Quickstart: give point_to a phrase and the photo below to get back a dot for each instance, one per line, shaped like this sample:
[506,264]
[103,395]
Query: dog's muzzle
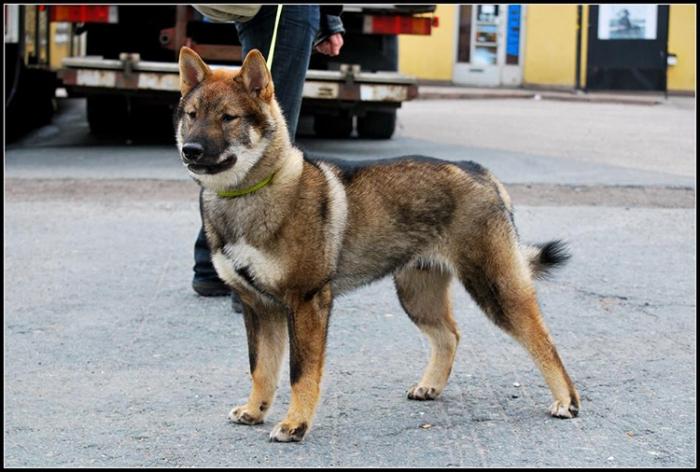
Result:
[194,158]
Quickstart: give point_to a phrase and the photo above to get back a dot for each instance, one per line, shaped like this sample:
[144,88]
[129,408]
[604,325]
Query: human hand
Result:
[331,45]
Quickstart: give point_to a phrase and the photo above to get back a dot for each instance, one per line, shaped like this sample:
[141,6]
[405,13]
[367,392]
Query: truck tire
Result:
[376,124]
[29,95]
[333,126]
[153,121]
[114,116]
[107,115]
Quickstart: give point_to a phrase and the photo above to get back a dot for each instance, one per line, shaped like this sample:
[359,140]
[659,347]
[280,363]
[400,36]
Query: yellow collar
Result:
[245,191]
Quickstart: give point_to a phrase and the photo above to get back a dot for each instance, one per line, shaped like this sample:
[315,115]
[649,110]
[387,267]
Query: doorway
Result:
[489,45]
[627,47]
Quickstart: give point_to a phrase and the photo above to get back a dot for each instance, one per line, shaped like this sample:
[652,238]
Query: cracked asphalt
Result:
[110,359]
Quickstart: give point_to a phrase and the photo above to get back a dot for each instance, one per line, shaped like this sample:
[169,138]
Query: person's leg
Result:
[297,29]
[205,281]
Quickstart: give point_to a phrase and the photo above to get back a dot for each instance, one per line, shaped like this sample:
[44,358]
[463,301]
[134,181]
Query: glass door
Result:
[488,40]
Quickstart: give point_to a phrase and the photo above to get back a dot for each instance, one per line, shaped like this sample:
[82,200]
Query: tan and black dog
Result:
[289,234]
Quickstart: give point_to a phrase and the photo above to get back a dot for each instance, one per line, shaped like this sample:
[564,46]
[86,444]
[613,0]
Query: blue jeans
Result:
[297,29]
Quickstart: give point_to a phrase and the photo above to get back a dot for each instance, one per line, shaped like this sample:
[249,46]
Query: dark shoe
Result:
[213,287]
[205,281]
[236,303]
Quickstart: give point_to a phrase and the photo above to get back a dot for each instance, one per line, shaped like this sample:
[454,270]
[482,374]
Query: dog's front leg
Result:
[308,326]
[266,330]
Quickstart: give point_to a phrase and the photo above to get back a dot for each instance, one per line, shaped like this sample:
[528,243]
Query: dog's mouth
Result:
[213,168]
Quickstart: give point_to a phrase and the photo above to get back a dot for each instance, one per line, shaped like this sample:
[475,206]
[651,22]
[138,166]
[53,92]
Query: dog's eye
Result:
[192,114]
[228,118]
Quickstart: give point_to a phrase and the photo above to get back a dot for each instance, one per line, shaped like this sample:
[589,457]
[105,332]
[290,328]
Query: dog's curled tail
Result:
[545,257]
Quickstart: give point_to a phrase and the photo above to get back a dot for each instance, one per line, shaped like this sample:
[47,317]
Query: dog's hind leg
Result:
[424,295]
[267,337]
[498,279]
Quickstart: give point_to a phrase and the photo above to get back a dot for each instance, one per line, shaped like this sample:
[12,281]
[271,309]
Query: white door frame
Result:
[466,73]
[512,75]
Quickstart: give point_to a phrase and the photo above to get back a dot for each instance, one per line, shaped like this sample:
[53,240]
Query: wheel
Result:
[333,127]
[108,115]
[152,121]
[114,116]
[376,124]
[29,95]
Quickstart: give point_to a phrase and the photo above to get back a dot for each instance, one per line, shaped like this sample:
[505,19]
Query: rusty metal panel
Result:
[216,52]
[181,17]
[154,81]
[382,93]
[348,91]
[95,78]
[323,90]
[68,76]
[119,80]
[311,74]
[154,76]
[127,81]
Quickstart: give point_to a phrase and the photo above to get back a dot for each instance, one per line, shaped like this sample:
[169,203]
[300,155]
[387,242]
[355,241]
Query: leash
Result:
[271,54]
[270,57]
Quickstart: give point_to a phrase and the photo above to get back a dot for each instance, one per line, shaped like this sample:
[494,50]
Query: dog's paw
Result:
[288,431]
[423,392]
[244,415]
[562,410]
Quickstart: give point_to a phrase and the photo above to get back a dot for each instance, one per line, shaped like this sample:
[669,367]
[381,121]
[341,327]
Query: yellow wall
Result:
[550,45]
[549,49]
[431,57]
[681,41]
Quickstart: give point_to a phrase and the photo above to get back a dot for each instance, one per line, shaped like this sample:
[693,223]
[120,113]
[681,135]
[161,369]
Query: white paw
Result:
[561,410]
[241,415]
[284,432]
[423,392]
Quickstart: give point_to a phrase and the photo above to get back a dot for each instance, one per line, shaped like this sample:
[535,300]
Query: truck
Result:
[123,60]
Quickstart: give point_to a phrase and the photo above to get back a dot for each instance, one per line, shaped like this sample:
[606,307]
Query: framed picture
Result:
[627,21]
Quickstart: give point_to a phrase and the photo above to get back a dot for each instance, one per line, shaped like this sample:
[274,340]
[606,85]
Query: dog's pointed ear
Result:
[193,70]
[256,77]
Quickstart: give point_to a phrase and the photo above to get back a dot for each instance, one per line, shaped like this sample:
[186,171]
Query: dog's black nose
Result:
[192,151]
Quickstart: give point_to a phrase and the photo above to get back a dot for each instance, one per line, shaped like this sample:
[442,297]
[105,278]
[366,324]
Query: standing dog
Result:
[289,234]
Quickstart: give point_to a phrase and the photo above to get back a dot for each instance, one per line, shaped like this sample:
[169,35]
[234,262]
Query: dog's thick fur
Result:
[322,228]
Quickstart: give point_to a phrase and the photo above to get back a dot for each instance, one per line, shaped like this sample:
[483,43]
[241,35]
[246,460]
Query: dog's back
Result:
[413,209]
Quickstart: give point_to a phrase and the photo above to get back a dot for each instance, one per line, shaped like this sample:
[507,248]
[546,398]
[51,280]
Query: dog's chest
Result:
[244,266]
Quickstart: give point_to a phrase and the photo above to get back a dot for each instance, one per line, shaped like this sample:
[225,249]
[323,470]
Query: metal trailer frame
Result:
[82,76]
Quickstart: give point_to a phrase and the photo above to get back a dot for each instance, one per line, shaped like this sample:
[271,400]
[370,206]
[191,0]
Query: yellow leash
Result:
[262,183]
[271,55]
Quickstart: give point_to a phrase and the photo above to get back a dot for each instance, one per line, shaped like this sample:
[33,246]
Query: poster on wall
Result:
[627,21]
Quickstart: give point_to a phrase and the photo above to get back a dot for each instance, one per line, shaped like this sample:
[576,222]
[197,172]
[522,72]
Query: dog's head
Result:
[225,120]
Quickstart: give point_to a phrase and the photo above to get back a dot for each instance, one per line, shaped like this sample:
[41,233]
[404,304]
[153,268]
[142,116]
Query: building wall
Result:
[550,45]
[681,41]
[431,57]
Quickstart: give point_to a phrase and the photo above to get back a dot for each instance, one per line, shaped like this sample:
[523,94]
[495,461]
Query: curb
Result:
[470,95]
[424,94]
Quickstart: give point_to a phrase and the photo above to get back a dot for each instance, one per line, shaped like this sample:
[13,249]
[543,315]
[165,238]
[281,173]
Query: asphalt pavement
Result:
[111,360]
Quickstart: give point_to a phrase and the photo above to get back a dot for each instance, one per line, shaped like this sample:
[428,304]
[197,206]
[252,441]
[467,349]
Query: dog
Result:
[289,234]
